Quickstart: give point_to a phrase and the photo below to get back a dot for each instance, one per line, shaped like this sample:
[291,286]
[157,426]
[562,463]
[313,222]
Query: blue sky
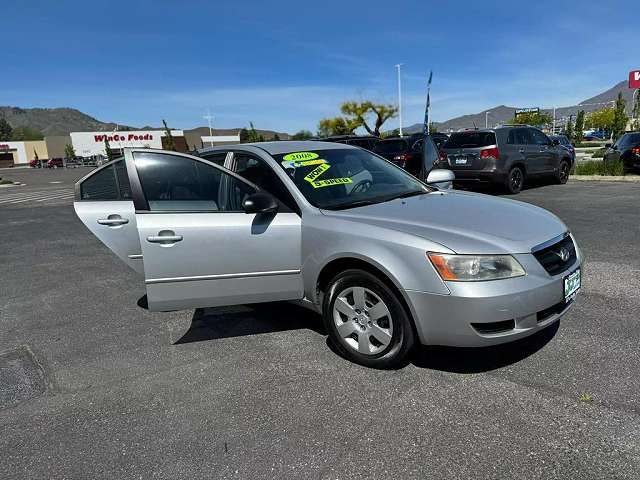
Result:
[285,64]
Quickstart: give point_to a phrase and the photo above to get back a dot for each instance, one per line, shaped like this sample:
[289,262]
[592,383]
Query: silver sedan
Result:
[389,261]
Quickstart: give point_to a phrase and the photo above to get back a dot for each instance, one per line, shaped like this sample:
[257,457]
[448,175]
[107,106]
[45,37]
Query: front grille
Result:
[551,257]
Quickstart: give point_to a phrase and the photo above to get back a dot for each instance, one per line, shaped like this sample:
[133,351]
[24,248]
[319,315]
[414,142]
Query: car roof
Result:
[284,146]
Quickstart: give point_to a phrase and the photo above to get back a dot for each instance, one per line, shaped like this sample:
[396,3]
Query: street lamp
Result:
[486,119]
[399,97]
[208,117]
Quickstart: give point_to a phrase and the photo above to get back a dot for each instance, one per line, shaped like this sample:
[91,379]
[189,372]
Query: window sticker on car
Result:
[316,172]
[300,156]
[331,182]
[307,163]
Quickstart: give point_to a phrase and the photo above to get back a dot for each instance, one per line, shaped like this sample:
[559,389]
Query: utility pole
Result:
[208,117]
[486,119]
[399,97]
[553,129]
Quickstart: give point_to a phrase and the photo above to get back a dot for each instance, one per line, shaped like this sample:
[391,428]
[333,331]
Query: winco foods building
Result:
[89,144]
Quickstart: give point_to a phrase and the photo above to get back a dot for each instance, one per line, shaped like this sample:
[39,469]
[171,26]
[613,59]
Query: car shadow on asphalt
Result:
[482,359]
[243,320]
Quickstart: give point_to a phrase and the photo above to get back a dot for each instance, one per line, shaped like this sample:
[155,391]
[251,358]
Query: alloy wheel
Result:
[363,320]
[516,179]
[564,172]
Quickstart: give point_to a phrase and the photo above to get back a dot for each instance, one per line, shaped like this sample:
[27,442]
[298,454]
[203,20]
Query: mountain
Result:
[503,113]
[55,121]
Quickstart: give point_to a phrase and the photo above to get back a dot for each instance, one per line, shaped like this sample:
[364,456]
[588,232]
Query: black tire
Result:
[515,180]
[563,171]
[396,353]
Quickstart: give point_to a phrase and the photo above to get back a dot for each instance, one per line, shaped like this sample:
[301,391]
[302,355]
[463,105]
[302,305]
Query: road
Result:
[102,388]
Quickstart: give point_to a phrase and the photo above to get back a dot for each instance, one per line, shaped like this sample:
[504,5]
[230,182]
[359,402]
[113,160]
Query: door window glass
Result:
[176,183]
[259,173]
[538,137]
[215,157]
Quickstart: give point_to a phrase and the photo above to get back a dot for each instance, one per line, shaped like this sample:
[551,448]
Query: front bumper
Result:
[478,314]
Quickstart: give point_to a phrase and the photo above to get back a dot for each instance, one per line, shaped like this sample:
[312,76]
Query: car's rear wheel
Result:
[563,172]
[515,180]
[366,321]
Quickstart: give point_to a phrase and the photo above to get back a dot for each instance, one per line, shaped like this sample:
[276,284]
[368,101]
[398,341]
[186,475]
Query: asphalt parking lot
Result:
[94,386]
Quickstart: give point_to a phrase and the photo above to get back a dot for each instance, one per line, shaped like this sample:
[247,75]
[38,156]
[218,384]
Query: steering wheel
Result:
[361,187]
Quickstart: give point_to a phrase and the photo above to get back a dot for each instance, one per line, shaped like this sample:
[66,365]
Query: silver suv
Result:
[505,156]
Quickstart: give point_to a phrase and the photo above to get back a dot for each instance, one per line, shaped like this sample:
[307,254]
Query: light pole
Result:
[553,128]
[208,117]
[486,119]
[399,97]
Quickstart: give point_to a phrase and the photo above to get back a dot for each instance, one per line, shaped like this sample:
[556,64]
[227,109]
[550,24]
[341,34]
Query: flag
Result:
[428,107]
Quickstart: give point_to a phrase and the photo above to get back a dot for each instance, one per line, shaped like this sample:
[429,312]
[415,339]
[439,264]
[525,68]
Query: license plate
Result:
[461,160]
[571,285]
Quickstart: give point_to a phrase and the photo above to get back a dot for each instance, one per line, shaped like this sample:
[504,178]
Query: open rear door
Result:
[104,203]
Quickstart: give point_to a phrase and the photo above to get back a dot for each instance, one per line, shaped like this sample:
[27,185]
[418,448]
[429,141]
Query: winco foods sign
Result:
[92,143]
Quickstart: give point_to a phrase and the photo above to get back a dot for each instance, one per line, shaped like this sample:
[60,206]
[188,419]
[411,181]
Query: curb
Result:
[605,178]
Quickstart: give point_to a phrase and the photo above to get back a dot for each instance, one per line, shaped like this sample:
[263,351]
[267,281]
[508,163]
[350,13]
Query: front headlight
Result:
[475,268]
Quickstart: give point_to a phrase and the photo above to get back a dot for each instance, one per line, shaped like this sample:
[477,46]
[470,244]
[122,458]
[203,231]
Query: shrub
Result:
[598,153]
[5,181]
[597,167]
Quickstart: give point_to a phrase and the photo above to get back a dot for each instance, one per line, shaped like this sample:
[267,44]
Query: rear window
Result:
[470,140]
[631,139]
[390,146]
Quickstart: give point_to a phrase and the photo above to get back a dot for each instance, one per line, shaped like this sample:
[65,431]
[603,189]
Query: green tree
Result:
[5,130]
[169,143]
[107,149]
[69,151]
[532,118]
[335,126]
[568,129]
[579,127]
[24,134]
[302,135]
[600,119]
[252,134]
[357,114]
[620,118]
[635,112]
[276,137]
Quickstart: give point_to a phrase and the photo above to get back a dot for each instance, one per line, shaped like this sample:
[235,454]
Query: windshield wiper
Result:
[371,201]
[412,193]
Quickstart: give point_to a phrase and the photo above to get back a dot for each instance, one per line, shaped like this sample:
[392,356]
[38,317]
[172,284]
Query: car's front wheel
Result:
[366,321]
[515,180]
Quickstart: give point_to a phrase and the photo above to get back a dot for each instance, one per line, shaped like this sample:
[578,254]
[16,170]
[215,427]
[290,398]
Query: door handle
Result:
[113,221]
[164,239]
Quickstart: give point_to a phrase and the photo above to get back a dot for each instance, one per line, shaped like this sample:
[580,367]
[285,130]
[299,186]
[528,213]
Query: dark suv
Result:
[626,150]
[504,156]
[407,153]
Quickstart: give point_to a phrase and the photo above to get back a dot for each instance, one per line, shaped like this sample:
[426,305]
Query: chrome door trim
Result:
[221,276]
[135,256]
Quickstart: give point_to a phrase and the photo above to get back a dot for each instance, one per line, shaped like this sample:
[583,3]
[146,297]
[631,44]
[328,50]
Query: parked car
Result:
[387,260]
[564,141]
[505,156]
[595,135]
[38,163]
[55,163]
[364,141]
[627,150]
[439,138]
[406,152]
[74,162]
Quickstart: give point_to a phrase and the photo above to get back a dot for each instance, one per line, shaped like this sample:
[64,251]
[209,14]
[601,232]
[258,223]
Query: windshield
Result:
[347,177]
[562,139]
[471,139]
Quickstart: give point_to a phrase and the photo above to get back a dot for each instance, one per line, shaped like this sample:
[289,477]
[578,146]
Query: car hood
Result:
[463,222]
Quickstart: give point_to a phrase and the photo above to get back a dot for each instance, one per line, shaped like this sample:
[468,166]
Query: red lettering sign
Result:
[634,79]
[116,137]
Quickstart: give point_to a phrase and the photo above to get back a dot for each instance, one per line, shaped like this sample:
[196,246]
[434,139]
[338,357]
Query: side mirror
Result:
[608,145]
[441,176]
[260,202]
